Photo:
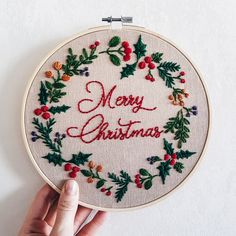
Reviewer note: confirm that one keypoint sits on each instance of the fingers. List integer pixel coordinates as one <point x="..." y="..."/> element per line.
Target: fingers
<point x="92" y="227"/>
<point x="80" y="217"/>
<point x="66" y="209"/>
<point x="41" y="203"/>
<point x="51" y="216"/>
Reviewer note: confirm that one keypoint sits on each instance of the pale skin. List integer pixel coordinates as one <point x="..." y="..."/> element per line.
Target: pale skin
<point x="50" y="216"/>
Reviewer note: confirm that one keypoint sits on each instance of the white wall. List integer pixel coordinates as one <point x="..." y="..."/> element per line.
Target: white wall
<point x="206" y="30"/>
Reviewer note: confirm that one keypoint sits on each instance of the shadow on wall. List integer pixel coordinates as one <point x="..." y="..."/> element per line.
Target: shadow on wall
<point x="13" y="207"/>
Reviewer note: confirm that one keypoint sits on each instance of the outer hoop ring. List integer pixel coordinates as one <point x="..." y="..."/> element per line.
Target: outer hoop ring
<point x="92" y="30"/>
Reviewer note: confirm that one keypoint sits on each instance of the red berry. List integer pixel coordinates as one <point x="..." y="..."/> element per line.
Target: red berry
<point x="76" y="169"/>
<point x="151" y="65"/>
<point x="37" y="112"/>
<point x="182" y="73"/>
<point x="148" y="77"/>
<point x="172" y="162"/>
<point x="67" y="167"/>
<point x="139" y="185"/>
<point x="127" y="50"/>
<point x="126" y="57"/>
<point x="44" y="108"/>
<point x="152" y="79"/>
<point x="141" y="65"/>
<point x="125" y="44"/>
<point x="166" y="157"/>
<point x="137" y="181"/>
<point x="103" y="190"/>
<point x="46" y="115"/>
<point x="108" y="193"/>
<point x="147" y="59"/>
<point x="72" y="174"/>
<point x="97" y="43"/>
<point x="137" y="176"/>
<point x="174" y="156"/>
<point x="92" y="46"/>
<point x="182" y="81"/>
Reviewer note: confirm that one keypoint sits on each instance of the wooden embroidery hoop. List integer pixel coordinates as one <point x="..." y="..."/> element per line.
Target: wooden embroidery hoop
<point x="92" y="30"/>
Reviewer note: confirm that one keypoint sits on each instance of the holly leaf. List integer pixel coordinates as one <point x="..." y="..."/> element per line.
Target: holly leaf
<point x="58" y="109"/>
<point x="80" y="159"/>
<point x="168" y="147"/>
<point x="157" y="57"/>
<point x="128" y="70"/>
<point x="114" y="41"/>
<point x="55" y="158"/>
<point x="184" y="154"/>
<point x="115" y="59"/>
<point x="164" y="169"/>
<point x="140" y="48"/>
<point x="179" y="167"/>
<point x="43" y="94"/>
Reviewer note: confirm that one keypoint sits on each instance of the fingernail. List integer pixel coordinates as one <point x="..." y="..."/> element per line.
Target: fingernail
<point x="71" y="187"/>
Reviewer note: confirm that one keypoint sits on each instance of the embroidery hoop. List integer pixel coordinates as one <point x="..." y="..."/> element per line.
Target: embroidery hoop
<point x="92" y="30"/>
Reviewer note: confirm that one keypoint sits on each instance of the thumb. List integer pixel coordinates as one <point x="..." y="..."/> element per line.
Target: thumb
<point x="66" y="210"/>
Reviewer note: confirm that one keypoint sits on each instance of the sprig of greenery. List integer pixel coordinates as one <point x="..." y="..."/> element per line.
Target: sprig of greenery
<point x="122" y="182"/>
<point x="73" y="61"/>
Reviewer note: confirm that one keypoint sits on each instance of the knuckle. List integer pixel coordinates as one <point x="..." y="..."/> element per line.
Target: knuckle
<point x="66" y="205"/>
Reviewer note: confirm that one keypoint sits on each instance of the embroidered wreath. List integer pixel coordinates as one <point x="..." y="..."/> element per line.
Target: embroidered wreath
<point x="51" y="91"/>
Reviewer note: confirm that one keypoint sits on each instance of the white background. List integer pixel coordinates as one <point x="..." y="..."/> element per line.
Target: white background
<point x="206" y="30"/>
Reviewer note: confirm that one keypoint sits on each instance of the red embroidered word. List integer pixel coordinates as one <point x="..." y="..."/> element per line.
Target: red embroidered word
<point x="96" y="128"/>
<point x="105" y="99"/>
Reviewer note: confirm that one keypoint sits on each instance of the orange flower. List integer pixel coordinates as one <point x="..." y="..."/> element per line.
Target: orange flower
<point x="171" y="97"/>
<point x="91" y="164"/>
<point x="99" y="168"/>
<point x="49" y="74"/>
<point x="57" y="65"/>
<point x="181" y="103"/>
<point x="90" y="180"/>
<point x="65" y="77"/>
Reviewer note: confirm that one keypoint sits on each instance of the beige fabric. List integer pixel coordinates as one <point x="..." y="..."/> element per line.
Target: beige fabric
<point x="129" y="155"/>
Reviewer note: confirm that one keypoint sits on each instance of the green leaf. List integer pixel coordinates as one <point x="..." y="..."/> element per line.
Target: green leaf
<point x="168" y="147"/>
<point x="55" y="158"/>
<point x="48" y="85"/>
<point x="43" y="94"/>
<point x="58" y="109"/>
<point x="100" y="183"/>
<point x="128" y="70"/>
<point x="148" y="184"/>
<point x="166" y="76"/>
<point x="86" y="173"/>
<point x="80" y="159"/>
<point x="122" y="183"/>
<point x="115" y="59"/>
<point x="164" y="169"/>
<point x="85" y="53"/>
<point x="170" y="66"/>
<point x="157" y="57"/>
<point x="140" y="48"/>
<point x="179" y="167"/>
<point x="184" y="154"/>
<point x="143" y="172"/>
<point x="114" y="41"/>
<point x="58" y="85"/>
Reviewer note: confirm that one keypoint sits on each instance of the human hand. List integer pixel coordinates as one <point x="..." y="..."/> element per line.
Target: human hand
<point x="49" y="217"/>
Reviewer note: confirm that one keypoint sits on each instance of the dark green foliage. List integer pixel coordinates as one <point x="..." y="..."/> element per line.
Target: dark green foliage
<point x="86" y="173"/>
<point x="114" y="41"/>
<point x="140" y="48"/>
<point x="43" y="94"/>
<point x="157" y="57"/>
<point x="80" y="159"/>
<point x="164" y="170"/>
<point x="100" y="183"/>
<point x="179" y="167"/>
<point x="58" y="109"/>
<point x="122" y="182"/>
<point x="184" y="154"/>
<point x="55" y="158"/>
<point x="128" y="70"/>
<point x="115" y="60"/>
<point x="168" y="147"/>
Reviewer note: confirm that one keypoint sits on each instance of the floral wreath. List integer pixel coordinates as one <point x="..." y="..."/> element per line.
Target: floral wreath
<point x="51" y="91"/>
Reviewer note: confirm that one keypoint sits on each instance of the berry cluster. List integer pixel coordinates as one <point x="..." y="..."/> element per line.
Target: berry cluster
<point x="84" y="71"/>
<point x="73" y="170"/>
<point x="192" y="110"/>
<point x="153" y="159"/>
<point x="42" y="111"/>
<point x="106" y="191"/>
<point x="94" y="46"/>
<point x="34" y="136"/>
<point x="59" y="137"/>
<point x="182" y="80"/>
<point x="127" y="50"/>
<point x="148" y="61"/>
<point x="172" y="158"/>
<point x="177" y="97"/>
<point x="138" y="181"/>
